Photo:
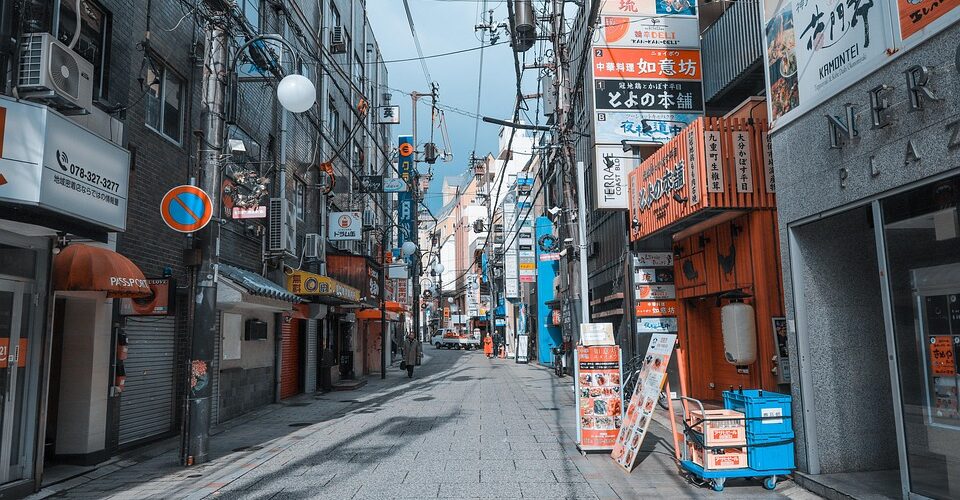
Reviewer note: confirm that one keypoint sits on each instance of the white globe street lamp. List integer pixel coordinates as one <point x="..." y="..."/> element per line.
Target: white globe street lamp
<point x="296" y="93"/>
<point x="409" y="248"/>
<point x="438" y="268"/>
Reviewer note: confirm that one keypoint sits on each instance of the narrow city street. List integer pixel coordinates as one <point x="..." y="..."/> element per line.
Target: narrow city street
<point x="464" y="427"/>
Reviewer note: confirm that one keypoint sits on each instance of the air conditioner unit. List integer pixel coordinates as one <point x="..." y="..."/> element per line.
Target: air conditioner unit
<point x="369" y="218"/>
<point x="338" y="41"/>
<point x="311" y="245"/>
<point x="283" y="226"/>
<point x="54" y="75"/>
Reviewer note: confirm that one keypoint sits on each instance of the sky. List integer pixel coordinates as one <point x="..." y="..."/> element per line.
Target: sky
<point x="446" y="26"/>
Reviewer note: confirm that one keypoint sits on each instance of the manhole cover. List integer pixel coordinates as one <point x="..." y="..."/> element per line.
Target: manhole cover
<point x="301" y="424"/>
<point x="191" y="476"/>
<point x="423" y="398"/>
<point x="548" y="409"/>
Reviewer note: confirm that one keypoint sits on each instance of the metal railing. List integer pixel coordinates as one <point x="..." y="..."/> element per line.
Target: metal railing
<point x="730" y="46"/>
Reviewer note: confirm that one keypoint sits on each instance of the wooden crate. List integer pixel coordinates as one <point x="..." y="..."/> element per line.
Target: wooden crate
<point x="718" y="459"/>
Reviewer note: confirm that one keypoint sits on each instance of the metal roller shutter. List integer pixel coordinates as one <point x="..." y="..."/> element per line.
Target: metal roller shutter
<point x="310" y="382"/>
<point x="290" y="359"/>
<point x="146" y="405"/>
<point x="215" y="376"/>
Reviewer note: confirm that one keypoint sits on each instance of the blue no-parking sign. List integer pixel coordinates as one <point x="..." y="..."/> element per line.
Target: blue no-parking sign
<point x="186" y="209"/>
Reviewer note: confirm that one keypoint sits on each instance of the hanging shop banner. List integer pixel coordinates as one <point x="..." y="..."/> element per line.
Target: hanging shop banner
<point x="643" y="401"/>
<point x="919" y="18"/>
<point x="653" y="259"/>
<point x="611" y="170"/>
<point x="657" y="31"/>
<point x="646" y="64"/>
<point x="597" y="375"/>
<point x="649" y="7"/>
<point x="345" y="226"/>
<point x="50" y="162"/>
<point x="592" y="334"/>
<point x="656" y="325"/>
<point x="159" y="303"/>
<point x="816" y="48"/>
<point x="649" y="275"/>
<point x="662" y="192"/>
<point x="656" y="308"/>
<point x="648" y="95"/>
<point x="656" y="292"/>
<point x="404" y="199"/>
<point x="388" y="115"/>
<point x="613" y="127"/>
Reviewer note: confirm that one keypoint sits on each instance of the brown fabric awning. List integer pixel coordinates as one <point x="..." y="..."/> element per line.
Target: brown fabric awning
<point x="84" y="268"/>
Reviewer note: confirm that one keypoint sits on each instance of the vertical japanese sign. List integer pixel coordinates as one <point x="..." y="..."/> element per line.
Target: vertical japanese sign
<point x="647" y="82"/>
<point x="405" y="207"/>
<point x="741" y="162"/>
<point x="713" y="155"/>
<point x="599" y="400"/>
<point x="643" y="401"/>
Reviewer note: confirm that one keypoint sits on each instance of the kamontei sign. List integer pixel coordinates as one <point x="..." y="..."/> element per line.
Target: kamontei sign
<point x="49" y="161"/>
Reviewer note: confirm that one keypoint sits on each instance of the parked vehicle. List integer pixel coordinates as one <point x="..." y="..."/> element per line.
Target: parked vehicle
<point x="454" y="339"/>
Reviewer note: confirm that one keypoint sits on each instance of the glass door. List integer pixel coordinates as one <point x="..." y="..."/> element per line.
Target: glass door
<point x="921" y="232"/>
<point x="13" y="320"/>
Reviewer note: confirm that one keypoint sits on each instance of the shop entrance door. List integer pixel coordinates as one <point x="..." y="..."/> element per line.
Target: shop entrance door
<point x="14" y="323"/>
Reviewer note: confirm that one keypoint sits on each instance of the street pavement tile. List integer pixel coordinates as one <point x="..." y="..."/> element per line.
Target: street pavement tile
<point x="506" y="489"/>
<point x="522" y="476"/>
<point x="546" y="464"/>
<point x="381" y="491"/>
<point x="557" y="490"/>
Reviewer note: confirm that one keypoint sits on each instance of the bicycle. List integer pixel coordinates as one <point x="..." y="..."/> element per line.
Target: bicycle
<point x="559" y="360"/>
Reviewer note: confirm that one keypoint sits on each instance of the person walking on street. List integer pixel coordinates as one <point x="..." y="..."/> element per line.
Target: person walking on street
<point x="411" y="353"/>
<point x="488" y="346"/>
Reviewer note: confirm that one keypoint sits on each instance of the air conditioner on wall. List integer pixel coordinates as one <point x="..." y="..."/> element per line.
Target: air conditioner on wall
<point x="52" y="74"/>
<point x="283" y="226"/>
<point x="311" y="245"/>
<point x="338" y="41"/>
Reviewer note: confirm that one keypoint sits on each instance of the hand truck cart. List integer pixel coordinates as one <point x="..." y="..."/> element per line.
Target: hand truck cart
<point x="716" y="478"/>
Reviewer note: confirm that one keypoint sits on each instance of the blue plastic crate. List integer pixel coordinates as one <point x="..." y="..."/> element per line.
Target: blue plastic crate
<point x="766" y="412"/>
<point x="770" y="451"/>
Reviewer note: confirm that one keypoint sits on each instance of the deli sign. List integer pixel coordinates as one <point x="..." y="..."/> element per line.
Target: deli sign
<point x="51" y="162"/>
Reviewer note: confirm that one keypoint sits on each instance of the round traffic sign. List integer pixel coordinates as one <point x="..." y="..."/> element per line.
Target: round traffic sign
<point x="186" y="209"/>
<point x="406" y="149"/>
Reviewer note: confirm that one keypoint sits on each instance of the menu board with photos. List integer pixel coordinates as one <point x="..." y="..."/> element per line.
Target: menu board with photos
<point x="643" y="401"/>
<point x="599" y="401"/>
<point x="941" y="331"/>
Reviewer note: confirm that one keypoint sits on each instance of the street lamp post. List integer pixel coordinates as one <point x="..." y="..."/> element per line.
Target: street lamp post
<point x="297" y="94"/>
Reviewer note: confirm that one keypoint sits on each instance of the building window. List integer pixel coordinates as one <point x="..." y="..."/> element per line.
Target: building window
<point x="164" y="102"/>
<point x="251" y="12"/>
<point x="301" y="198"/>
<point x="334" y="15"/>
<point x="333" y="120"/>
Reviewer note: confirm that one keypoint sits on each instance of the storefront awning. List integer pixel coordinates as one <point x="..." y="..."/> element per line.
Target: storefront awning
<point x="257" y="285"/>
<point x="374" y="314"/>
<point x="321" y="288"/>
<point x="85" y="268"/>
<point x="396" y="307"/>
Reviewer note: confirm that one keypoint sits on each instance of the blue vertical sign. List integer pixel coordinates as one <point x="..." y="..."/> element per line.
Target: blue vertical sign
<point x="405" y="206"/>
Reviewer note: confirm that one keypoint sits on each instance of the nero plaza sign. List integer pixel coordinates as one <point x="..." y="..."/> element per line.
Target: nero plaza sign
<point x="50" y="162"/>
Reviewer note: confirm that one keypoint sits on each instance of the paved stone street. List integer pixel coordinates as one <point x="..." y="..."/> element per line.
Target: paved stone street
<point x="464" y="427"/>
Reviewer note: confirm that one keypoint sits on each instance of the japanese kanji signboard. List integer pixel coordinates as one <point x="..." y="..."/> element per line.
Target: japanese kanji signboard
<point x="721" y="162"/>
<point x="647" y="64"/>
<point x="649" y="95"/>
<point x="647" y="78"/>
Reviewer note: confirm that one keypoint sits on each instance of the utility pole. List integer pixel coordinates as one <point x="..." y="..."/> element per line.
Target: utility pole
<point x="415" y="195"/>
<point x="197" y="435"/>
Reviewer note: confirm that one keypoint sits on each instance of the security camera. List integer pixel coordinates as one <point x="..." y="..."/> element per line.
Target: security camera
<point x="553" y="211"/>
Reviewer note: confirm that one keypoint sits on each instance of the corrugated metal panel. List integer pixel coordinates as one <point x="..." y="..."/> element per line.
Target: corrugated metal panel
<point x="290" y="359"/>
<point x="146" y="405"/>
<point x="215" y="374"/>
<point x="730" y="46"/>
<point x="310" y="383"/>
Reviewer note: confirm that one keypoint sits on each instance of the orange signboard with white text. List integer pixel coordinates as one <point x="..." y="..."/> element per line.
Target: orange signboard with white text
<point x="599" y="403"/>
<point x="712" y="164"/>
<point x="646" y="64"/>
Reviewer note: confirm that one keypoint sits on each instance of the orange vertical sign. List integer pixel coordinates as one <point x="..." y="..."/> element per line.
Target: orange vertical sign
<point x="942" y="361"/>
<point x="20" y="355"/>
